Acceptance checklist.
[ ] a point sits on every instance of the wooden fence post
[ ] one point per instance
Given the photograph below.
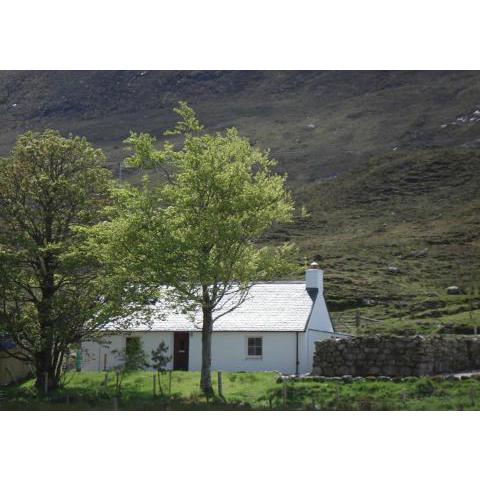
(104, 362)
(471, 394)
(220, 386)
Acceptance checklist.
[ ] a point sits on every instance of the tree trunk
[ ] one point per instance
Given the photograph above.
(44, 363)
(206, 378)
(45, 359)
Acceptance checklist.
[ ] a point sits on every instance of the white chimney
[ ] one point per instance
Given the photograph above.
(314, 278)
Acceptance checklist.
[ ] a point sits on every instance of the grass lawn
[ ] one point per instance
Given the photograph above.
(248, 391)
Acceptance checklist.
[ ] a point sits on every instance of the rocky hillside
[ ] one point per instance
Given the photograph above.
(386, 165)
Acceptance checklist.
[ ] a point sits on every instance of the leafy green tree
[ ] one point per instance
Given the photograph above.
(49, 285)
(199, 231)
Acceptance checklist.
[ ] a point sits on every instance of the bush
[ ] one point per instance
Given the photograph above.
(424, 387)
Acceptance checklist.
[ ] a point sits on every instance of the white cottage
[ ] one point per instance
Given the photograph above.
(273, 329)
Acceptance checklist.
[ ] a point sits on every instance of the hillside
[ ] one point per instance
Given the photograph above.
(316, 124)
(394, 233)
(386, 164)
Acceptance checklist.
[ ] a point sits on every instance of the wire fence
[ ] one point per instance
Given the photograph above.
(356, 321)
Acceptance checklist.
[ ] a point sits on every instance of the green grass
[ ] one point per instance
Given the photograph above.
(250, 391)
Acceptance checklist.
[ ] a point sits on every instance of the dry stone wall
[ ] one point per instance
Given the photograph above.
(389, 355)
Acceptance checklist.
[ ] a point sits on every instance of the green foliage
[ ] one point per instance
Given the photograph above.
(204, 221)
(424, 387)
(49, 284)
(160, 361)
(304, 213)
(132, 357)
(160, 358)
(188, 122)
(199, 230)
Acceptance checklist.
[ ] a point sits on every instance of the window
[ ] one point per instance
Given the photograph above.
(254, 346)
(133, 345)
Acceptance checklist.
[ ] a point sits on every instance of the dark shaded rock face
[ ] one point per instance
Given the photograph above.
(396, 356)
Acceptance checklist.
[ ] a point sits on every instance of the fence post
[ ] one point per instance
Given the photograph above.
(284, 394)
(104, 362)
(471, 394)
(78, 361)
(154, 385)
(117, 382)
(220, 386)
(45, 385)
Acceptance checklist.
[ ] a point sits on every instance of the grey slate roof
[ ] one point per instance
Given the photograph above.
(269, 307)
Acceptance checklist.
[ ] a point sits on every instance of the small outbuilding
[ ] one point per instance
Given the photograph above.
(275, 328)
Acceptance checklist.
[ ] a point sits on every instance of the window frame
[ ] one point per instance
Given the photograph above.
(247, 354)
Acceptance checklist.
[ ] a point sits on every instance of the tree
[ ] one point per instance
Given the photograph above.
(49, 284)
(160, 360)
(132, 358)
(199, 231)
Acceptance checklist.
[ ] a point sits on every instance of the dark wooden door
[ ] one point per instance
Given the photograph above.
(180, 351)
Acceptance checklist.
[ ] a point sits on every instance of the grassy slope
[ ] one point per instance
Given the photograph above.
(415, 208)
(417, 211)
(252, 391)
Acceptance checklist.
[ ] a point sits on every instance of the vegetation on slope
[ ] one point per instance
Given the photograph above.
(316, 123)
(393, 234)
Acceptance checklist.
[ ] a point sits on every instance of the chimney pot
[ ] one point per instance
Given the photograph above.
(314, 278)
